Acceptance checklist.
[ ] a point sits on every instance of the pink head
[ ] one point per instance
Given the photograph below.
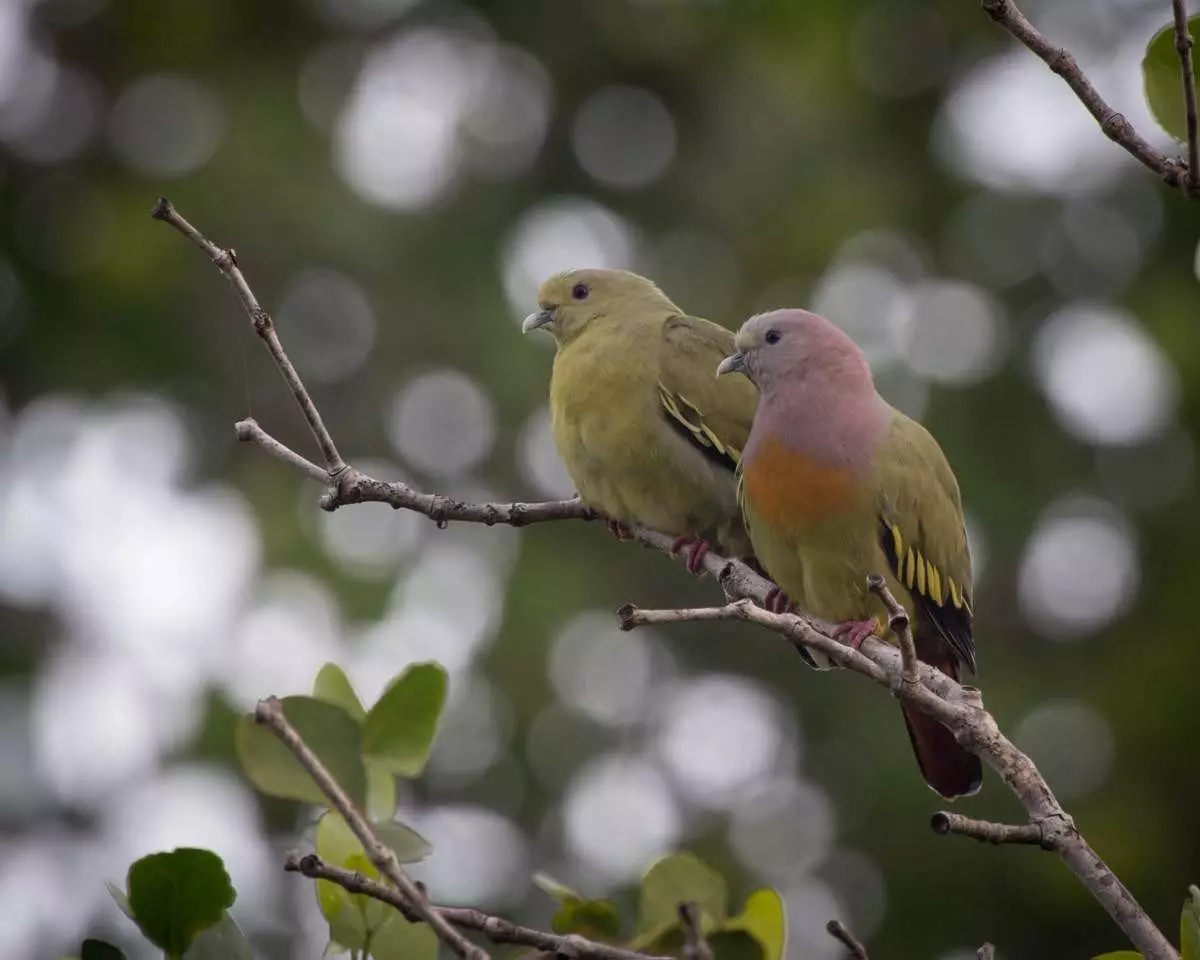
(800, 348)
(816, 390)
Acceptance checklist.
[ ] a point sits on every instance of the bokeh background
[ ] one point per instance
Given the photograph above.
(397, 176)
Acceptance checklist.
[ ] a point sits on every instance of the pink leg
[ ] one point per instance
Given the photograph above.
(697, 548)
(858, 631)
(617, 529)
(779, 602)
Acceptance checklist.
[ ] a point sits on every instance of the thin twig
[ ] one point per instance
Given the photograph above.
(1114, 125)
(900, 625)
(838, 931)
(959, 708)
(249, 430)
(1183, 46)
(496, 929)
(695, 945)
(945, 823)
(269, 713)
(264, 326)
(986, 952)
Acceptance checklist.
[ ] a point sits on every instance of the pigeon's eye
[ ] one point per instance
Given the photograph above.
(580, 291)
(772, 336)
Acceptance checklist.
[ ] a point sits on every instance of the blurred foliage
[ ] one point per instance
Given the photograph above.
(801, 130)
(1164, 90)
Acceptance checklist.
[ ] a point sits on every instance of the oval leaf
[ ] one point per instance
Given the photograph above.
(398, 939)
(176, 895)
(225, 941)
(330, 733)
(408, 845)
(764, 918)
(333, 686)
(399, 729)
(674, 879)
(1189, 926)
(99, 950)
(1163, 84)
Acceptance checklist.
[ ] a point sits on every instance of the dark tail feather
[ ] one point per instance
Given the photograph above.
(949, 769)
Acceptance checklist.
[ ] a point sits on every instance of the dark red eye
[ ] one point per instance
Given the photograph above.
(580, 291)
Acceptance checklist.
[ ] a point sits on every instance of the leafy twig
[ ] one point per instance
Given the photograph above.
(269, 713)
(1114, 125)
(496, 929)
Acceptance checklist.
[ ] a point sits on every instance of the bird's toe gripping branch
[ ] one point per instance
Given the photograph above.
(696, 549)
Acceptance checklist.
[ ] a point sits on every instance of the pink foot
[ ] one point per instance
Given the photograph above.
(695, 554)
(617, 529)
(858, 631)
(779, 602)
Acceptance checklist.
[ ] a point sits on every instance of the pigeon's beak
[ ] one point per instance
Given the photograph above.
(536, 320)
(733, 364)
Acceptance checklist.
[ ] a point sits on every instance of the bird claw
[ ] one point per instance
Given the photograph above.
(779, 602)
(697, 548)
(858, 631)
(618, 529)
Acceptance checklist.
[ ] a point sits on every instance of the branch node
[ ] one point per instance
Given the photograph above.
(627, 616)
(837, 930)
(162, 209)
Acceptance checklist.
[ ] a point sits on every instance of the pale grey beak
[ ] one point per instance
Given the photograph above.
(733, 364)
(535, 320)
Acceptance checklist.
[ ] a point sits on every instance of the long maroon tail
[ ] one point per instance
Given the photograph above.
(949, 769)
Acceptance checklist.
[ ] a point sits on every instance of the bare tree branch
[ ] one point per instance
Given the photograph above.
(695, 946)
(899, 624)
(264, 326)
(837, 930)
(496, 929)
(1183, 46)
(960, 709)
(269, 713)
(1114, 125)
(944, 823)
(957, 707)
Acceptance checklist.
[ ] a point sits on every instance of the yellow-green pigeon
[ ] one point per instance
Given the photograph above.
(645, 428)
(835, 485)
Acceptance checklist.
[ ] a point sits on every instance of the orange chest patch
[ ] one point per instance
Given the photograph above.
(786, 489)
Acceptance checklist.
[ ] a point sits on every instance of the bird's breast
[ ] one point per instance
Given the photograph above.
(790, 490)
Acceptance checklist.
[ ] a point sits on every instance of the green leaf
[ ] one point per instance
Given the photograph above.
(330, 733)
(594, 919)
(1189, 926)
(556, 890)
(1163, 83)
(398, 939)
(99, 950)
(176, 895)
(674, 879)
(399, 729)
(333, 686)
(381, 792)
(225, 941)
(354, 918)
(1119, 955)
(408, 845)
(765, 919)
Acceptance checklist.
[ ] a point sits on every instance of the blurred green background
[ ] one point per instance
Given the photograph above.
(397, 176)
